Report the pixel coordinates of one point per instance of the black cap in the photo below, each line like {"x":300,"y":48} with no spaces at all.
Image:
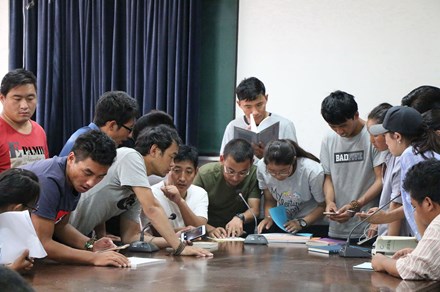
{"x":402,"y":119}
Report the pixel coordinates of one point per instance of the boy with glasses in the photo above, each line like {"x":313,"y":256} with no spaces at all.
{"x":115,"y":115}
{"x":224,"y":180}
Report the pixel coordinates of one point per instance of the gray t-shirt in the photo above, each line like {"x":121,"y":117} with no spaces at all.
{"x":350,"y":162}
{"x":287,"y":128}
{"x":301,"y":192}
{"x":391,"y":190}
{"x":113,"y":195}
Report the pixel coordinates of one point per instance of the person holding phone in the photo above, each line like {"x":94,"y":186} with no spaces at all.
{"x":293,"y":177}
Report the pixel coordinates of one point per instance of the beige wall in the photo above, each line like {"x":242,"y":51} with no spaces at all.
{"x":304,"y":49}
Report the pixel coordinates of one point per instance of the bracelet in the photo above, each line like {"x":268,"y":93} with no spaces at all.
{"x":89,"y":244}
{"x":354,"y":205}
{"x":180,"y":248}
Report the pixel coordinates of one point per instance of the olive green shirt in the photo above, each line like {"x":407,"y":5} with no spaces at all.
{"x":224,"y":201}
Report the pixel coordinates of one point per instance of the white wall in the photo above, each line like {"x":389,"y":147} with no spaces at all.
{"x":304,"y":49}
{"x":4,"y":39}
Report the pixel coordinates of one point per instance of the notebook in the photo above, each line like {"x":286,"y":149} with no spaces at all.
{"x":137,"y":261}
{"x":328,"y":249}
{"x":364,"y":266}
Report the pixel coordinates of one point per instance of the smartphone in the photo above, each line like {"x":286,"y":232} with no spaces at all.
{"x":193,"y":233}
{"x":116,"y":248}
{"x":330,"y":213}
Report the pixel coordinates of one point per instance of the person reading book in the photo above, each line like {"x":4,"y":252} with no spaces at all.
{"x":293,"y":177}
{"x":252,"y":99}
{"x":423,"y":262}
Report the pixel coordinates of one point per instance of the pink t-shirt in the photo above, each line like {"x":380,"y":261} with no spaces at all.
{"x":18,"y":149}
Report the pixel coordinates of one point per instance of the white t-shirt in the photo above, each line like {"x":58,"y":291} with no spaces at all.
{"x":196,"y":199}
{"x":301,"y":192}
{"x":114,"y":194}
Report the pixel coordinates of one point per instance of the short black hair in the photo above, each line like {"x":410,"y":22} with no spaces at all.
{"x":423,"y":180}
{"x":423,"y":98}
{"x":16,"y":78}
{"x":12,"y":281}
{"x":187,"y":153}
{"x":162,"y":136}
{"x":95,"y":145}
{"x":18,"y":186}
{"x":250,"y":88}
{"x":338,"y":107}
{"x":115,"y":106}
{"x":152,"y":119}
{"x":240,"y":150}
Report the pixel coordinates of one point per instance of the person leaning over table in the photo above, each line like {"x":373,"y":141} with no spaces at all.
{"x":115,"y":115}
{"x":19,"y":191}
{"x":422,"y":263}
{"x":292,"y":177}
{"x":224,"y":180}
{"x":62,"y":179}
{"x":352,"y":166}
{"x":126,"y":190}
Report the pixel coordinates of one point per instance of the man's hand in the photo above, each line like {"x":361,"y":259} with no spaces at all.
{"x":103,"y":244}
{"x":196,"y":251}
{"x":377,"y":262}
{"x":372,"y":230}
{"x":377,"y":218}
{"x":22,"y":263}
{"x":266,"y":223}
{"x":258,"y":149}
{"x":234,"y":227}
{"x":343,"y":215}
{"x":402,"y":253}
{"x":218,"y":232}
{"x":172,"y":193}
{"x":110,"y":258}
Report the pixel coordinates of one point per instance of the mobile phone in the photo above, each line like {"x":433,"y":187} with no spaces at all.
{"x":193,"y":233}
{"x":117,"y":248}
{"x":330,"y":213}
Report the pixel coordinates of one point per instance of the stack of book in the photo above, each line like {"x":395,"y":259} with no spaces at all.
{"x":325,"y":245}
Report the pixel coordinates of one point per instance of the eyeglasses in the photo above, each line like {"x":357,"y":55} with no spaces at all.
{"x":283,"y":173}
{"x":34,"y":208}
{"x":128,"y":128}
{"x":232,"y":172}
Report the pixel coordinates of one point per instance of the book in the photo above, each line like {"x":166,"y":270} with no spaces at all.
{"x":264,"y":136}
{"x":364,"y":267}
{"x":323,"y":241}
{"x":286,"y":238}
{"x":328,"y":249}
{"x":137,"y":261}
{"x":209,"y":245}
{"x":388,"y":245}
{"x":226,"y":239}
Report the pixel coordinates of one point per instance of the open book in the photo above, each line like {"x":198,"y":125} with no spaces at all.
{"x":265,"y":136}
{"x":388,"y":245}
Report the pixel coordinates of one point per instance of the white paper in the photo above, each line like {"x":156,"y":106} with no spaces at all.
{"x":253,"y":124}
{"x":364,"y":266}
{"x":137,"y":261}
{"x":16,"y":235}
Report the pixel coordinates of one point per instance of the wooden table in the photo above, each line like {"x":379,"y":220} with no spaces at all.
{"x":235,"y":267}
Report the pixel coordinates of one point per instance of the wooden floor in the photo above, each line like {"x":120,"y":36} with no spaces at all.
{"x":235,"y":267}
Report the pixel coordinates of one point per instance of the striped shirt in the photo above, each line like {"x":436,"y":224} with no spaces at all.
{"x":423,"y":263}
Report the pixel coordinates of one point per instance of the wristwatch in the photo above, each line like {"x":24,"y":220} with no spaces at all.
{"x":302,"y":222}
{"x":241,"y":216}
